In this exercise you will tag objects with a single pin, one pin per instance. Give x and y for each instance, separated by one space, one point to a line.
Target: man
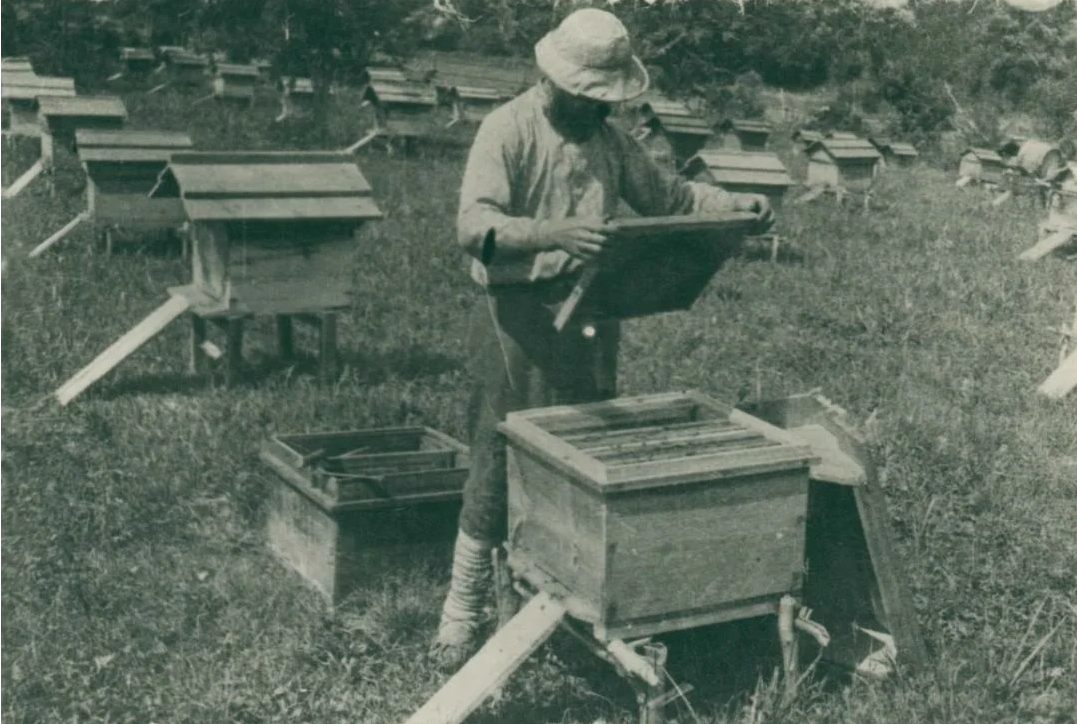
544 174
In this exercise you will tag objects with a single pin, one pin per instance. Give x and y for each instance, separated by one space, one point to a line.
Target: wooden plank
1048 244
1062 381
64 231
493 664
120 350
23 181
279 209
297 178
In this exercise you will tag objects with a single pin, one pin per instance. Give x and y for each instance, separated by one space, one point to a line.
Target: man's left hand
759 205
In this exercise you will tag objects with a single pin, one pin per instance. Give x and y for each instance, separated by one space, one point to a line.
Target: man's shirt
520 169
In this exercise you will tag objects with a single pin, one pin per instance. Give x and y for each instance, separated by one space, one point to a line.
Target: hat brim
614 85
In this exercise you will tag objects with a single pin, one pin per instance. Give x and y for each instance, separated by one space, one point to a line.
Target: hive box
742 173
342 500
60 117
657 513
21 90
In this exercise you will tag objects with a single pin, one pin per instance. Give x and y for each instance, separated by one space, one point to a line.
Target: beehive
982 165
404 109
506 76
233 82
297 97
271 232
842 164
340 501
16 64
745 135
658 512
471 104
841 135
685 132
59 118
802 138
184 68
122 168
21 90
137 61
751 173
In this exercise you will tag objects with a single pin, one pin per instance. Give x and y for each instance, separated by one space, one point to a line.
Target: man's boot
459 632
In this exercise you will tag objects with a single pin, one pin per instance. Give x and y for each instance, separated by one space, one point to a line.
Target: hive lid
17 64
756 169
807 136
650 441
238 70
903 149
83 106
741 125
413 94
681 125
983 154
96 146
268 186
846 149
136 54
21 85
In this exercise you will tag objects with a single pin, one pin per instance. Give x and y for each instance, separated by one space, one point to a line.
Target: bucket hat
590 54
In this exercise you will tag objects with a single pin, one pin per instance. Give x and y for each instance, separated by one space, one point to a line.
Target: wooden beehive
745 135
685 132
297 97
184 68
802 138
507 76
271 232
341 501
404 109
842 164
894 153
738 172
60 117
471 104
657 264
658 513
138 62
981 165
21 90
16 64
122 168
234 82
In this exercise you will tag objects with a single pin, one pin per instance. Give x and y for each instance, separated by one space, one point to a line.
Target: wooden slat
96 138
1048 244
493 664
282 209
224 180
1062 381
23 181
108 106
56 237
120 350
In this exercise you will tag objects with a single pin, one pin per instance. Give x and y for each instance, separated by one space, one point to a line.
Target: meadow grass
136 582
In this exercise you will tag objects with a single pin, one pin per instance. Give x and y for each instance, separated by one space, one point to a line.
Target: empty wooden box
233 82
842 163
342 500
122 168
749 173
271 232
657 513
21 90
60 118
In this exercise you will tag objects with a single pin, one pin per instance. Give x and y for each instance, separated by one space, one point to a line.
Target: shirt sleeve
484 223
652 191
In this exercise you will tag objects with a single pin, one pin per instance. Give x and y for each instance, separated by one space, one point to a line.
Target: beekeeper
544 174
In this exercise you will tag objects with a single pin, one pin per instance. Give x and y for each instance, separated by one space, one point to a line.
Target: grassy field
136 581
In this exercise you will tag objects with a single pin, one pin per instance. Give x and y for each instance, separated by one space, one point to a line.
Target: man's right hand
582 238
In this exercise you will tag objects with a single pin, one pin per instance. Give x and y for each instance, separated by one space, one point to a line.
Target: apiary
745 135
340 501
659 512
738 172
21 91
60 118
122 168
234 82
658 264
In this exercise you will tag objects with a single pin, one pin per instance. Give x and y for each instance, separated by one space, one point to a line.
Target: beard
577 119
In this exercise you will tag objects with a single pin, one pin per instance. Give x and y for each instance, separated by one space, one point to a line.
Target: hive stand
599 494
402 112
272 234
122 168
748 173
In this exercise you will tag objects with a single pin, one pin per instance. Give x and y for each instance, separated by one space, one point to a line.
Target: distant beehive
673 123
233 82
896 153
843 164
123 168
272 233
802 138
19 65
60 118
183 67
21 91
740 172
470 104
297 97
841 135
745 135
137 62
981 165
506 76
404 109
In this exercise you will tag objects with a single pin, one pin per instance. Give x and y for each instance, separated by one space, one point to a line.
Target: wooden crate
658 513
122 168
271 232
659 264
341 501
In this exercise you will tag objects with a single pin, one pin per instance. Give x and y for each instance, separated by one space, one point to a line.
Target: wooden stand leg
197 361
787 636
284 336
328 346
234 354
109 241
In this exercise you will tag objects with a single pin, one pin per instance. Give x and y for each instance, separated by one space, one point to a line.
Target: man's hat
589 54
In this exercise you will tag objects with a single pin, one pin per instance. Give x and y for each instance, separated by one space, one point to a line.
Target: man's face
575 116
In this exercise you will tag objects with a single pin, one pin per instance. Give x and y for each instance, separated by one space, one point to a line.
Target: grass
138 588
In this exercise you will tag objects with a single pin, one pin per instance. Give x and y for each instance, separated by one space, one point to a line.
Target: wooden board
493 664
1062 381
1048 244
656 265
120 350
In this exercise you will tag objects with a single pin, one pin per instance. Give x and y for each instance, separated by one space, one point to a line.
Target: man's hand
583 238
759 205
